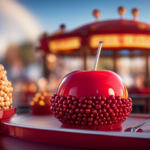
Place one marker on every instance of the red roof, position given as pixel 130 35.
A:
pixel 114 25
pixel 120 26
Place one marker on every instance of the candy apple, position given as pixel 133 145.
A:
pixel 91 98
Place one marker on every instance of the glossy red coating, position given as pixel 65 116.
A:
pixel 86 83
pixel 6 114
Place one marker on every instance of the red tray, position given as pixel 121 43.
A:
pixel 48 129
pixel 5 114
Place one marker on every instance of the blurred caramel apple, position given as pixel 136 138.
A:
pixel 5 90
pixel 41 103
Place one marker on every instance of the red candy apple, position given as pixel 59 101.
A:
pixel 88 98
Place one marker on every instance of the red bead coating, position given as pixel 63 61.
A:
pixel 95 110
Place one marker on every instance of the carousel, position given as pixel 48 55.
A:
pixel 121 38
pixel 92 118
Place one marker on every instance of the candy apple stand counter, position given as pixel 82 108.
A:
pixel 90 109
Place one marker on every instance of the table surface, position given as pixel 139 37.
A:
pixel 139 95
pixel 13 143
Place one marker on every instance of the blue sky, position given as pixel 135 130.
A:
pixel 51 13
